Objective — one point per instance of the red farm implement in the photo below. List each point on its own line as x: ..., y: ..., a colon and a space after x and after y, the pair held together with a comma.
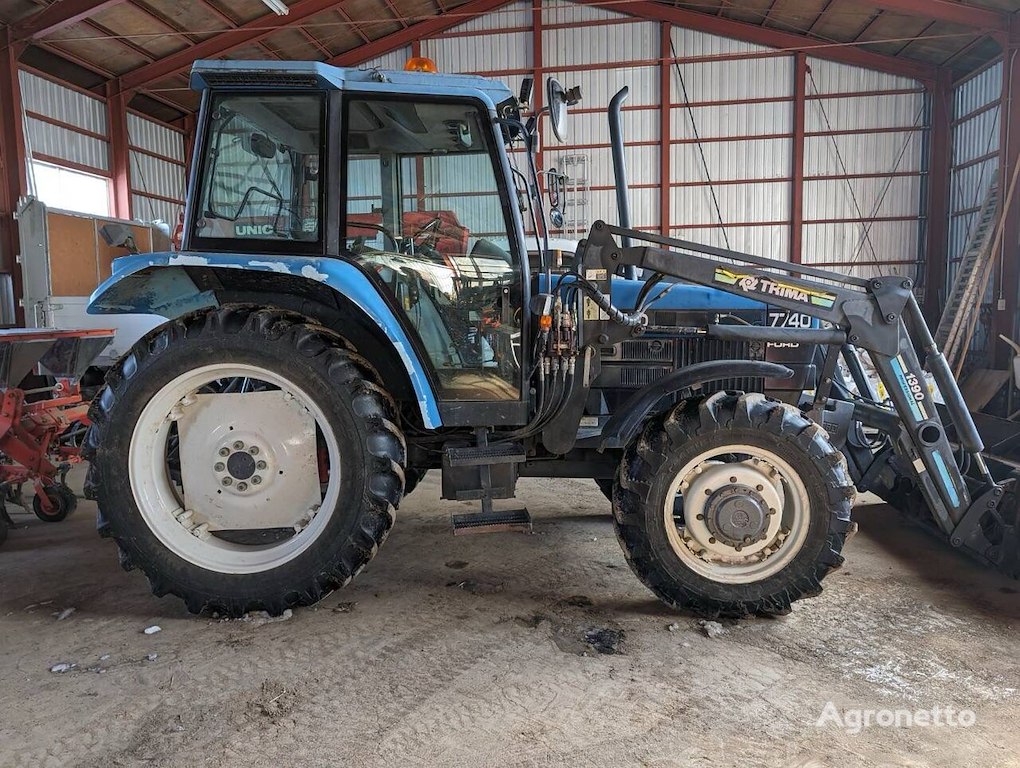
x: 39, y: 428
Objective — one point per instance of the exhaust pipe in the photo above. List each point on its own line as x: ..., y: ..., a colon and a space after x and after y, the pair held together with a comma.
x: 620, y: 170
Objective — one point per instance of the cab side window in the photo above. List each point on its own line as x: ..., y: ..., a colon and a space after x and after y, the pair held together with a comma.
x: 424, y: 210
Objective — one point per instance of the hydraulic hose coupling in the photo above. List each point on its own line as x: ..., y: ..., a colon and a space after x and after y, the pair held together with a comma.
x: 626, y: 319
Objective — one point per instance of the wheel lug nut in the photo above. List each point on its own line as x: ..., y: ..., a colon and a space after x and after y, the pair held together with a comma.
x: 227, y: 481
x: 711, y: 540
x: 254, y: 450
x: 242, y: 486
x: 759, y: 487
x: 238, y: 445
x: 224, y: 451
x: 219, y: 466
x: 733, y: 479
x: 256, y: 480
x: 708, y: 491
x: 260, y: 465
x: 700, y: 516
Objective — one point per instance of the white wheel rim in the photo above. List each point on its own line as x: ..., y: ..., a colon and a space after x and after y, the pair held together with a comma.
x: 157, y: 498
x: 775, y: 485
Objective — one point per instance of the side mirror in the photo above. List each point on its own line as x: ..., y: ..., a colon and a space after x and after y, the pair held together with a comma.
x: 559, y: 98
x: 556, y: 98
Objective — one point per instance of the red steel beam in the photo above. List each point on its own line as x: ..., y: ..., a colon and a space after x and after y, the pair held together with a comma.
x: 800, y: 74
x: 938, y: 181
x: 120, y: 155
x: 844, y: 53
x: 57, y: 15
x: 665, y: 127
x: 13, y: 177
x: 947, y: 10
x: 421, y: 30
x: 223, y: 42
x: 538, y: 61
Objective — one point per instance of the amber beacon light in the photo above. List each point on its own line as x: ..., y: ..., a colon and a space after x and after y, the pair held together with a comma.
x: 420, y: 64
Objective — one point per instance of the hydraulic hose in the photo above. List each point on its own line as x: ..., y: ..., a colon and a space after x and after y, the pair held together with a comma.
x: 617, y: 315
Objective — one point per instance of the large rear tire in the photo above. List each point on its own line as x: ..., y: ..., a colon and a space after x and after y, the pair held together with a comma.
x: 145, y: 441
x: 732, y: 506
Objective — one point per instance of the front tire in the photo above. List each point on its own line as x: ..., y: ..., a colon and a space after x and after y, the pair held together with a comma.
x: 257, y: 547
x: 732, y: 506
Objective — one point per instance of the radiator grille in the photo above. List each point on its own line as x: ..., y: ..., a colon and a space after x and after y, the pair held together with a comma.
x: 640, y: 377
x: 646, y: 349
x: 669, y: 345
x: 701, y: 349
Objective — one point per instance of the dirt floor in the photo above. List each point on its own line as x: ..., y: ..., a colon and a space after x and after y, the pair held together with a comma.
x: 504, y: 650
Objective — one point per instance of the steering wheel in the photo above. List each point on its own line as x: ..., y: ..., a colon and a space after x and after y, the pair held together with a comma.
x: 388, y: 237
x: 430, y: 228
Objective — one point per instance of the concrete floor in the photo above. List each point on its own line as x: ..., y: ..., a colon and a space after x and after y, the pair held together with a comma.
x: 473, y: 651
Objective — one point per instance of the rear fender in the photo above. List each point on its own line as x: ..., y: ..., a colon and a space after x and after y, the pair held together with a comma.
x: 159, y: 284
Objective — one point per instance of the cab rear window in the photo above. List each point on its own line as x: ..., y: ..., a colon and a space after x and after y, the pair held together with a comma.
x: 261, y: 169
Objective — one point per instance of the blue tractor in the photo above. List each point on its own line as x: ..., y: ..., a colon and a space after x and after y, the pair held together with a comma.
x: 354, y: 304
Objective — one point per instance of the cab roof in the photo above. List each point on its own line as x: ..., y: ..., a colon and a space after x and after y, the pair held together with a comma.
x: 261, y: 75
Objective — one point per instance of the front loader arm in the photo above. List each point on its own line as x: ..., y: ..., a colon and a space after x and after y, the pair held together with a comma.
x: 877, y: 315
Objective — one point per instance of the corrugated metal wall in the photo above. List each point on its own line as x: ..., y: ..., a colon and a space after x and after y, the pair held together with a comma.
x: 730, y: 148
x: 976, y: 107
x: 863, y: 167
x: 863, y: 154
x: 69, y: 128
x: 63, y: 125
x: 158, y: 183
x: 732, y: 144
x: 976, y: 146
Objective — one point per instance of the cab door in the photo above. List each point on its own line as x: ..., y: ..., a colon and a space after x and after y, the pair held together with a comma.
x: 426, y: 211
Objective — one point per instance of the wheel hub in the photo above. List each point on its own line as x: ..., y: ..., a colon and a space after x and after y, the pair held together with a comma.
x: 248, y: 461
x: 240, y: 465
x: 731, y: 510
x: 244, y: 466
x: 737, y: 515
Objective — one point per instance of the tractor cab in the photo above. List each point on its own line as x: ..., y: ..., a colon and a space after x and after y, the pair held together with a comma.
x: 405, y: 176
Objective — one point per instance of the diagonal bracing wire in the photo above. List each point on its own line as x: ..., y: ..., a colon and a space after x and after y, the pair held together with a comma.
x: 888, y: 183
x: 842, y: 164
x: 701, y: 149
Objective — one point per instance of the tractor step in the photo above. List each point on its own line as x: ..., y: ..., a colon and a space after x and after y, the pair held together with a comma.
x: 476, y: 455
x: 492, y: 521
